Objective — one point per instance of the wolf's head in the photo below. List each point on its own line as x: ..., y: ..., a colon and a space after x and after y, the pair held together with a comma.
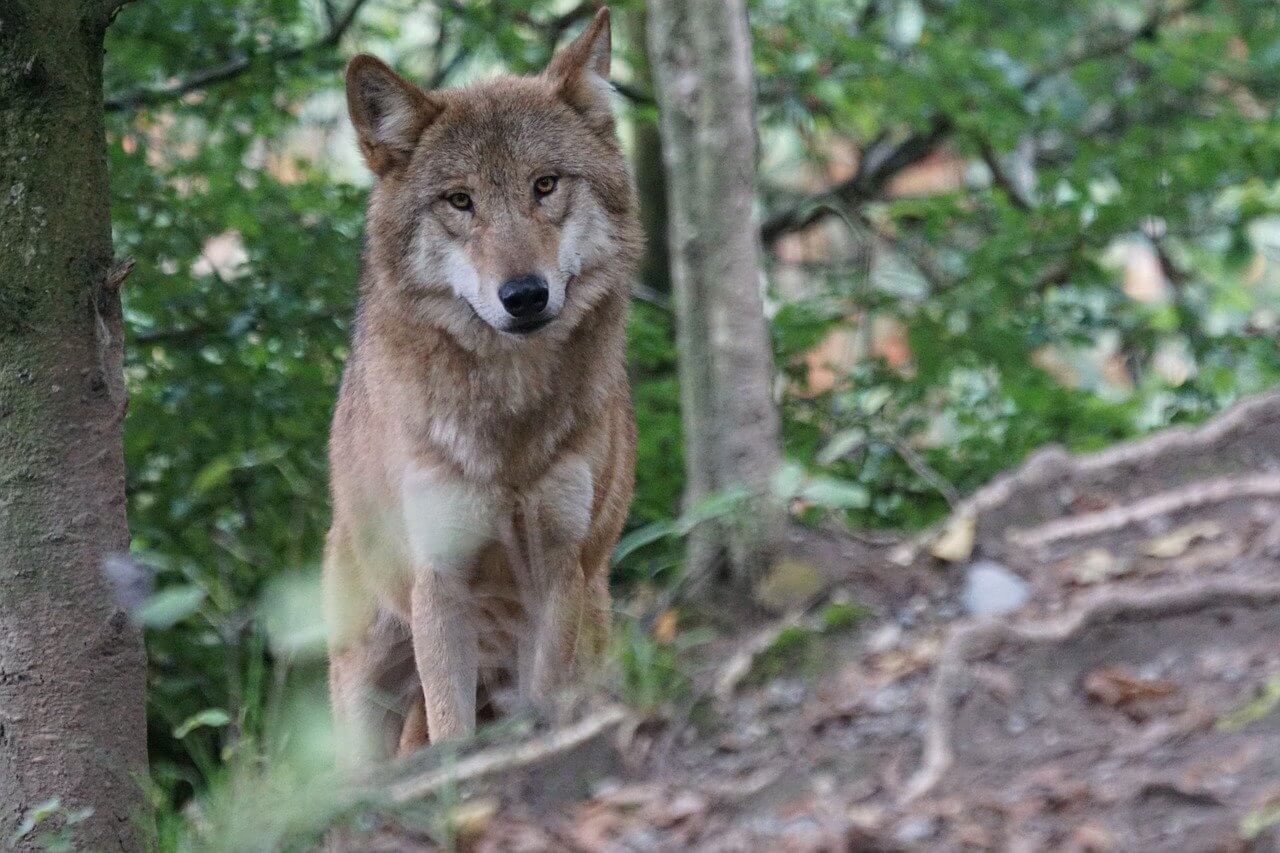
x: 507, y: 201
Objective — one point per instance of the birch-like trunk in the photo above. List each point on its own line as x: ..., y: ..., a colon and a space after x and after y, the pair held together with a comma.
x: 700, y: 51
x: 72, y: 712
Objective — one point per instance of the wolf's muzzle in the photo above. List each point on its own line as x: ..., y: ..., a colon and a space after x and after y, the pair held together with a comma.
x: 524, y: 297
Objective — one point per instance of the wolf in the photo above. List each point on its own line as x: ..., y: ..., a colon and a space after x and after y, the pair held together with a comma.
x: 482, y: 451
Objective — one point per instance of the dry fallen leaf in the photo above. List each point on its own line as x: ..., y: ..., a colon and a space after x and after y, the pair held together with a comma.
x: 685, y: 806
x: 471, y: 818
x: 897, y: 664
x: 1091, y: 838
x: 664, y: 627
x: 955, y: 543
x: 1176, y: 543
x: 1124, y: 691
x: 1095, y: 566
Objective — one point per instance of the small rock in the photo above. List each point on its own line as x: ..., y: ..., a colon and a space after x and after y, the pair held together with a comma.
x: 884, y: 638
x: 783, y: 694
x: 991, y: 589
x: 915, y: 608
x: 915, y: 830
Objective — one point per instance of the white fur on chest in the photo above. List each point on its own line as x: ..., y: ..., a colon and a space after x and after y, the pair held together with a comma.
x: 448, y: 522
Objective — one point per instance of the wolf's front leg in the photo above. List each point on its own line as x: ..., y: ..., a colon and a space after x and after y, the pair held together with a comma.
x: 557, y: 516
x: 445, y: 646
x: 448, y: 524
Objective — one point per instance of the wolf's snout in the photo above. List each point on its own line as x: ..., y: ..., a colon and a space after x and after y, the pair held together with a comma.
x: 525, y: 296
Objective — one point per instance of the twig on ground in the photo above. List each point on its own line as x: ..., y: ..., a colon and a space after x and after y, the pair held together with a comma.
x: 738, y: 667
x: 503, y: 759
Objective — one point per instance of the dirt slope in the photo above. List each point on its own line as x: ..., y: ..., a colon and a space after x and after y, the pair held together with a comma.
x: 1129, y: 700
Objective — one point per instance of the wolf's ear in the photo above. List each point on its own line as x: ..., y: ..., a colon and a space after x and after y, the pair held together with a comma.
x: 389, y: 112
x: 581, y: 71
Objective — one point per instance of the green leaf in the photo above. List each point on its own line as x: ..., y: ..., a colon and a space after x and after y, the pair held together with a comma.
x: 170, y: 606
x: 212, y: 475
x: 209, y: 718
x: 836, y: 494
x: 640, y: 537
x: 842, y: 444
x: 712, y: 507
x: 37, y: 815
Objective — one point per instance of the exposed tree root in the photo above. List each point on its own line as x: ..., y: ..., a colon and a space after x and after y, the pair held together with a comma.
x: 1194, y: 496
x: 968, y: 643
x: 1246, y: 438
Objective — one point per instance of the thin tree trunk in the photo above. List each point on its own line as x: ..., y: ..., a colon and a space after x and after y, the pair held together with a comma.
x: 651, y: 183
x: 700, y: 51
x: 72, y: 714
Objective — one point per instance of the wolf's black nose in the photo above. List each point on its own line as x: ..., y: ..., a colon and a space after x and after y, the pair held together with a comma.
x: 524, y: 296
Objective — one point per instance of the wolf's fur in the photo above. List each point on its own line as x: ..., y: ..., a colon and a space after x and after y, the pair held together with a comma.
x: 480, y: 478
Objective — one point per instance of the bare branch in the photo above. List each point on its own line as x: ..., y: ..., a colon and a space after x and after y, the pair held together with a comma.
x: 1001, y: 177
x: 1102, y: 48
x: 502, y: 759
x: 200, y: 332
x: 874, y: 174
x: 141, y: 97
x: 878, y: 166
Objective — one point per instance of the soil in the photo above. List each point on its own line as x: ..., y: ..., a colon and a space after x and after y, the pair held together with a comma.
x: 1131, y: 703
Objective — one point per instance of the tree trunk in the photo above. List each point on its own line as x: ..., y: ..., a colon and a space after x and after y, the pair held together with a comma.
x: 646, y: 151
x: 72, y: 714
x: 700, y: 51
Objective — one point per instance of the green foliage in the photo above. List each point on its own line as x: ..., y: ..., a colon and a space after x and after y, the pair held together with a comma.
x: 49, y: 825
x: 802, y: 647
x: 649, y: 673
x: 1079, y: 127
x: 1259, y: 707
x: 1083, y: 125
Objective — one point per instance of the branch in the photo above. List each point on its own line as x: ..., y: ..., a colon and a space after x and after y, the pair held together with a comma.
x: 199, y: 332
x: 874, y: 174
x: 503, y: 759
x: 1103, y: 48
x: 554, y: 29
x: 1001, y: 177
x: 202, y: 79
x: 877, y: 167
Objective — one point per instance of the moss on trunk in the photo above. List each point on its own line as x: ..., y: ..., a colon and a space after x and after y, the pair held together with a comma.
x: 72, y: 713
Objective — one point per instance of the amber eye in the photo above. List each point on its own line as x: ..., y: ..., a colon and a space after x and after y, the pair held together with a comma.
x: 545, y: 185
x: 461, y: 201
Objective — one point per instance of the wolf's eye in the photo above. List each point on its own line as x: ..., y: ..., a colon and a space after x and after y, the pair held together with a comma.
x: 461, y: 201
x: 545, y: 185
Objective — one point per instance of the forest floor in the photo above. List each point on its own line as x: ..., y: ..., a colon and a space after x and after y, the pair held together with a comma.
x: 1086, y: 657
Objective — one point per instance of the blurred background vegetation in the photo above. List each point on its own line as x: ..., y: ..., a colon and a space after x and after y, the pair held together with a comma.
x: 988, y: 226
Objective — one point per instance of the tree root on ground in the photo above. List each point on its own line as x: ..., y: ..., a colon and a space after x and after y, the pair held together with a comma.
x: 970, y: 642
x: 1195, y: 496
x: 1245, y: 440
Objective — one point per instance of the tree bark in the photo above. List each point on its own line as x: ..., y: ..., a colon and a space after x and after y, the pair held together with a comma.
x: 651, y: 182
x: 72, y: 713
x: 700, y: 51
